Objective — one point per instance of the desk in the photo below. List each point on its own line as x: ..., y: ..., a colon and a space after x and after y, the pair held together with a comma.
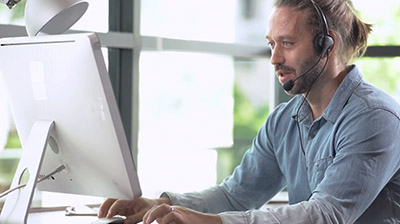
x: 59, y: 218
x: 43, y: 216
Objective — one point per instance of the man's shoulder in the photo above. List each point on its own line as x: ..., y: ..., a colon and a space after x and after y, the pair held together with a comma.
x: 369, y: 97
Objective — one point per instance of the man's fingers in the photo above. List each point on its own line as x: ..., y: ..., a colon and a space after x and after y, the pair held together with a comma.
x: 157, y: 212
x: 118, y: 208
x: 105, y: 207
x: 146, y: 216
x: 172, y: 217
x: 136, y: 218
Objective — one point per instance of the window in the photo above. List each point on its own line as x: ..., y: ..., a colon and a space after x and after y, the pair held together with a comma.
x: 193, y: 104
x: 95, y: 18
x: 381, y: 68
x: 185, y: 111
x: 382, y: 72
x: 189, y: 20
x: 384, y: 17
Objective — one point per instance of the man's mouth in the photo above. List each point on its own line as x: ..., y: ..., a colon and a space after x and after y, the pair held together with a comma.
x: 284, y: 76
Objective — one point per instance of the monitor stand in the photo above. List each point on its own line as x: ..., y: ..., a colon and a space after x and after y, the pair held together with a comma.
x: 17, y: 204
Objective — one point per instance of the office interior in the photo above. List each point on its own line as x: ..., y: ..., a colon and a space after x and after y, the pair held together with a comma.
x: 193, y: 83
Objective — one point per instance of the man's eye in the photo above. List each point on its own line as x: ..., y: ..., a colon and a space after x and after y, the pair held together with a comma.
x: 271, y: 45
x: 286, y: 43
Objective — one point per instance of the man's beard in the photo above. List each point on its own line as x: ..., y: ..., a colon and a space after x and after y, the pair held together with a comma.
x: 304, y: 84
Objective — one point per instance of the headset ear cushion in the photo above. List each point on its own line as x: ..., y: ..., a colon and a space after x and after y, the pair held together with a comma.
x: 319, y: 43
x: 323, y: 43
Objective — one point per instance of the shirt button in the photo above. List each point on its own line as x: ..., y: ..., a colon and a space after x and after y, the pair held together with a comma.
x: 312, y: 135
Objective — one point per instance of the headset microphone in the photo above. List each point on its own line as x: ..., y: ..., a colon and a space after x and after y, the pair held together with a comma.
x: 287, y: 86
x: 322, y: 43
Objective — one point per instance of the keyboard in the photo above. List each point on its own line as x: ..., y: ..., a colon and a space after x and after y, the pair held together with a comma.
x: 106, y: 221
x: 112, y: 220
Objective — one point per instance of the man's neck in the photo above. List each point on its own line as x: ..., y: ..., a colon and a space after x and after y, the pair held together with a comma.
x: 324, y: 89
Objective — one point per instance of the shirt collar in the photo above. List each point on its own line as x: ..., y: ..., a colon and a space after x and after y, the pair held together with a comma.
x: 338, y: 101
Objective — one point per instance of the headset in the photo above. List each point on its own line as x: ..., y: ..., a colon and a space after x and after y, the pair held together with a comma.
x: 323, y: 43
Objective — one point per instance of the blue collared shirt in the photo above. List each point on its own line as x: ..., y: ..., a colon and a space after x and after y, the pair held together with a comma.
x: 349, y: 171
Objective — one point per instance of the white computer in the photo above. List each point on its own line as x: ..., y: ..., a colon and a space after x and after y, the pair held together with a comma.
x: 66, y: 116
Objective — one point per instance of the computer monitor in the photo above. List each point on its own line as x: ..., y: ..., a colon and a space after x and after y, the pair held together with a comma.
x: 63, y: 106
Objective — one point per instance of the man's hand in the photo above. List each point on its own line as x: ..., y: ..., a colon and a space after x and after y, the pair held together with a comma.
x: 166, y: 214
x: 133, y: 210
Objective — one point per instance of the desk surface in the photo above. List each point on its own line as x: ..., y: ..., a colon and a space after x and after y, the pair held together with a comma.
x: 59, y: 218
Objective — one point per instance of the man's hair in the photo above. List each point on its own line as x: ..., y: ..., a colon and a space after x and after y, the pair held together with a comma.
x: 351, y: 32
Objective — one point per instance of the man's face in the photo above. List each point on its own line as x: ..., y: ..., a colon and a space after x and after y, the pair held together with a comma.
x: 292, y: 45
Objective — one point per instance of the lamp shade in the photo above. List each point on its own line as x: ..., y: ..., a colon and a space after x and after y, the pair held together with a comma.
x: 52, y: 16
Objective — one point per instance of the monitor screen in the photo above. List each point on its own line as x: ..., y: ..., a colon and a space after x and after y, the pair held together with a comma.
x: 63, y: 78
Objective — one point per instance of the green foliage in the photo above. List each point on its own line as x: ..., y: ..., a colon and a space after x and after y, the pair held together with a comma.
x: 18, y: 10
x: 383, y: 72
x: 16, y: 13
x: 247, y: 120
x: 385, y: 18
x: 13, y: 142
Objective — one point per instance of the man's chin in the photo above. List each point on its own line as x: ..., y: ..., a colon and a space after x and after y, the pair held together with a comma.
x: 295, y: 91
x: 291, y: 92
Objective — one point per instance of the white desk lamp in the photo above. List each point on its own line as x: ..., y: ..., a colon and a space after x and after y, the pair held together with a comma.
x: 50, y: 16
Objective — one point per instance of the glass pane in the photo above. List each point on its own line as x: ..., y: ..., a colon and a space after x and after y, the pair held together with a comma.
x: 194, y: 20
x: 251, y: 21
x: 383, y: 73
x: 186, y: 109
x: 191, y: 103
x: 385, y: 18
x: 252, y: 92
x: 96, y: 17
x: 207, y: 20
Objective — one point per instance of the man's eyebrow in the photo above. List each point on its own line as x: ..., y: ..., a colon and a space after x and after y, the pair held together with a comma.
x: 283, y: 37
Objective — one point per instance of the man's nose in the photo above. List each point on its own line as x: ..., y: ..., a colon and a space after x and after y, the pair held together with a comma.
x: 277, y: 56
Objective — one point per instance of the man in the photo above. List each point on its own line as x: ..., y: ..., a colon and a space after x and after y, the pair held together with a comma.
x: 335, y: 146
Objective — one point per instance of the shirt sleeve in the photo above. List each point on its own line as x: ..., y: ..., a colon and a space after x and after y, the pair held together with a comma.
x: 212, y: 200
x: 300, y: 213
